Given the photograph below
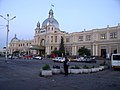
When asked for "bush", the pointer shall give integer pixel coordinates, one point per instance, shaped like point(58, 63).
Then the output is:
point(85, 66)
point(75, 67)
point(46, 67)
point(56, 66)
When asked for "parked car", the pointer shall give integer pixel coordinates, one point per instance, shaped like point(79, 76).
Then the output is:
point(59, 59)
point(89, 59)
point(27, 57)
point(37, 57)
point(12, 57)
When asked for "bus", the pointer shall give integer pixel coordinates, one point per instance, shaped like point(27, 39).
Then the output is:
point(115, 61)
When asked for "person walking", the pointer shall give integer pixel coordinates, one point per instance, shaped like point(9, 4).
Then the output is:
point(65, 64)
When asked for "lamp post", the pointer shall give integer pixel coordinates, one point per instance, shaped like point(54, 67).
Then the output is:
point(8, 20)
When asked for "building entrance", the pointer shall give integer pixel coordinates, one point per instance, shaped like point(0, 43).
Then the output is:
point(103, 53)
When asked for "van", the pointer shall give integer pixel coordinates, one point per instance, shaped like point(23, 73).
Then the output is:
point(115, 61)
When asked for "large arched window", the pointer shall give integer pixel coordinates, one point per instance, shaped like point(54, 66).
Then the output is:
point(42, 42)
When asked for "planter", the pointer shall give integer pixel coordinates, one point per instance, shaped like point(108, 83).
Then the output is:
point(80, 71)
point(46, 72)
point(95, 69)
point(62, 70)
point(85, 70)
point(75, 71)
point(101, 68)
point(89, 70)
point(56, 71)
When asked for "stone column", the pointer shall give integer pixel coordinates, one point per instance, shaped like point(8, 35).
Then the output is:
point(47, 50)
point(109, 50)
point(96, 50)
point(72, 50)
point(75, 51)
point(93, 50)
point(118, 48)
point(107, 34)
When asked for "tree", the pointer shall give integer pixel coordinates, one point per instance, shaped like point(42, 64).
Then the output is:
point(62, 48)
point(84, 51)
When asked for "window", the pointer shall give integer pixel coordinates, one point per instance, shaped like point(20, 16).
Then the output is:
point(80, 38)
point(52, 28)
point(113, 35)
point(49, 28)
point(88, 37)
point(51, 47)
point(67, 39)
point(55, 48)
point(42, 31)
point(51, 38)
point(55, 38)
point(55, 32)
point(103, 36)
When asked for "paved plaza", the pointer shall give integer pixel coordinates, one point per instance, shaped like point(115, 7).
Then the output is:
point(24, 75)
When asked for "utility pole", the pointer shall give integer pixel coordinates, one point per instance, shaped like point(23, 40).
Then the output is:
point(8, 20)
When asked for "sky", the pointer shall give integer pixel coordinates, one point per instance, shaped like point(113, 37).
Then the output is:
point(72, 15)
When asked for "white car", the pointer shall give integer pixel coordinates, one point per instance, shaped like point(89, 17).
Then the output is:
point(59, 59)
point(12, 57)
point(38, 57)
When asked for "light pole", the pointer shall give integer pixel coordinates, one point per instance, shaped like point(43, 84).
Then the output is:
point(7, 19)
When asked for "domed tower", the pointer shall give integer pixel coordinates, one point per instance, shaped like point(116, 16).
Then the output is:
point(50, 21)
point(46, 35)
point(37, 30)
point(15, 39)
point(13, 46)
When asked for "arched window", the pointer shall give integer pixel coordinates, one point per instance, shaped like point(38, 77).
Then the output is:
point(52, 28)
point(55, 38)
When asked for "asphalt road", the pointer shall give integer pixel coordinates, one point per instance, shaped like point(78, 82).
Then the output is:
point(24, 75)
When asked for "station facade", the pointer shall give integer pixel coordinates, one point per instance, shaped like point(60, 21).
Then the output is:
point(48, 35)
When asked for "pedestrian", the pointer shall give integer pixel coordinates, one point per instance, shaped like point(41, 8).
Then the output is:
point(65, 64)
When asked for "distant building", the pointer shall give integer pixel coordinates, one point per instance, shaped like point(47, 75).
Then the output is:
point(48, 37)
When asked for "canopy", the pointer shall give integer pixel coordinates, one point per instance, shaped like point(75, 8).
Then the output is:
point(37, 47)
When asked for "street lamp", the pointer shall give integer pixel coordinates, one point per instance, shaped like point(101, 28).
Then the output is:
point(7, 19)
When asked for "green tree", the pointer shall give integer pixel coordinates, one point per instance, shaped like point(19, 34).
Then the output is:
point(84, 51)
point(62, 48)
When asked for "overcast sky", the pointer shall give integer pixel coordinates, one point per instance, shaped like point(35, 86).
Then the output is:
point(72, 15)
